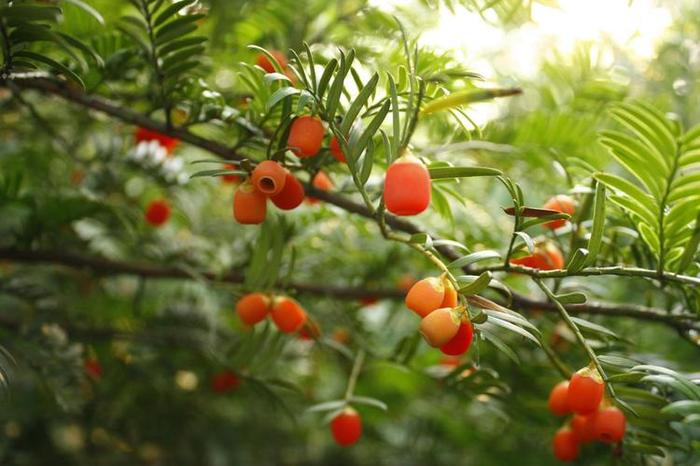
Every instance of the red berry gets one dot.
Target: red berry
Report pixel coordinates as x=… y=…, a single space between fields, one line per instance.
x=460 y=343
x=249 y=205
x=609 y=425
x=336 y=151
x=169 y=143
x=253 y=308
x=93 y=368
x=346 y=427
x=265 y=63
x=560 y=203
x=585 y=392
x=288 y=315
x=565 y=445
x=291 y=195
x=158 y=212
x=321 y=182
x=230 y=179
x=407 y=186
x=224 y=381
x=558 y=404
x=582 y=427
x=269 y=177
x=546 y=257
x=306 y=136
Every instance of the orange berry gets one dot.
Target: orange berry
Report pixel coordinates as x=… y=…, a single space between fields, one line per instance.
x=554 y=257
x=269 y=177
x=460 y=343
x=306 y=136
x=565 y=445
x=224 y=381
x=407 y=186
x=439 y=327
x=560 y=203
x=585 y=392
x=425 y=296
x=93 y=368
x=291 y=195
x=451 y=298
x=288 y=315
x=557 y=402
x=609 y=425
x=230 y=179
x=322 y=182
x=253 y=308
x=346 y=427
x=582 y=427
x=158 y=212
x=336 y=151
x=265 y=63
x=546 y=257
x=249 y=205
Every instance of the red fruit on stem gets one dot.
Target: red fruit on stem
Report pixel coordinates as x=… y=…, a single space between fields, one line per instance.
x=582 y=427
x=264 y=62
x=346 y=427
x=425 y=296
x=407 y=186
x=439 y=327
x=269 y=177
x=336 y=151
x=460 y=343
x=224 y=381
x=560 y=203
x=585 y=391
x=93 y=368
x=157 y=212
x=249 y=205
x=609 y=425
x=288 y=315
x=306 y=136
x=321 y=182
x=557 y=403
x=253 y=308
x=565 y=445
x=291 y=195
x=546 y=257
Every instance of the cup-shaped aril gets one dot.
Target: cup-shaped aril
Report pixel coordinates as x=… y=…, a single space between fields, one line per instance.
x=425 y=296
x=407 y=186
x=460 y=343
x=269 y=177
x=346 y=427
x=557 y=402
x=249 y=205
x=565 y=445
x=609 y=425
x=306 y=136
x=288 y=315
x=560 y=203
x=253 y=308
x=585 y=391
x=291 y=196
x=439 y=327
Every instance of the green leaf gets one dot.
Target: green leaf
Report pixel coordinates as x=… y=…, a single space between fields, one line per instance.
x=280 y=94
x=461 y=172
x=529 y=242
x=327 y=406
x=87 y=9
x=473 y=258
x=170 y=11
x=477 y=285
x=593 y=328
x=466 y=97
x=578 y=260
x=682 y=407
x=326 y=77
x=60 y=68
x=333 y=99
x=369 y=132
x=30 y=12
x=364 y=400
x=596 y=238
x=571 y=298
x=357 y=104
x=691 y=247
x=395 y=119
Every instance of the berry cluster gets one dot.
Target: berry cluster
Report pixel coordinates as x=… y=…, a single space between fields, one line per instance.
x=286 y=313
x=593 y=417
x=444 y=323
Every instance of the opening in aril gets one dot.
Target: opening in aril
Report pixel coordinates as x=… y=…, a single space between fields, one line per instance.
x=267 y=184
